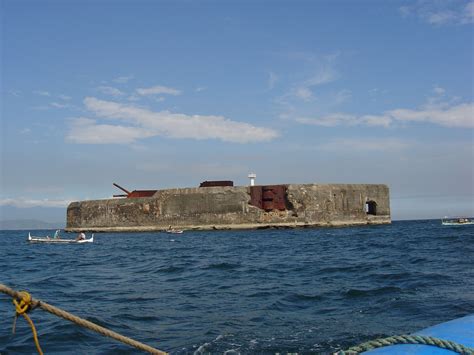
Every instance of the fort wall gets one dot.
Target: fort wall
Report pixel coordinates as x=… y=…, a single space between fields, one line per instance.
x=236 y=207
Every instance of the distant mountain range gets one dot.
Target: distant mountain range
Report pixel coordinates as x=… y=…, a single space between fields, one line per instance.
x=13 y=224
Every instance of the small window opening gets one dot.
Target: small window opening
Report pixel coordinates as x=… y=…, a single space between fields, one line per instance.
x=371 y=208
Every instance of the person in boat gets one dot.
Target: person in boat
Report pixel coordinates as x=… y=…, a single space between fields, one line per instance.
x=81 y=236
x=56 y=234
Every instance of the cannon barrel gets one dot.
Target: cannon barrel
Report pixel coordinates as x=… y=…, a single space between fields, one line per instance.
x=121 y=188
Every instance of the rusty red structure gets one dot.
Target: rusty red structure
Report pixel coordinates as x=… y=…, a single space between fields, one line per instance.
x=269 y=198
x=134 y=193
x=216 y=183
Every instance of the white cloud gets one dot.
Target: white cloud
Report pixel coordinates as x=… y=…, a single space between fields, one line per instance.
x=58 y=105
x=469 y=11
x=64 y=97
x=442 y=17
x=143 y=123
x=108 y=90
x=158 y=90
x=200 y=88
x=303 y=93
x=42 y=93
x=87 y=131
x=26 y=203
x=332 y=120
x=441 y=12
x=123 y=79
x=438 y=90
x=322 y=74
x=342 y=96
x=325 y=75
x=373 y=120
x=405 y=11
x=461 y=115
x=342 y=119
x=456 y=116
x=133 y=98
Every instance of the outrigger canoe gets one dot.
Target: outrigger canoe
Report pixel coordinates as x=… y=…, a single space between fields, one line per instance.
x=458 y=221
x=33 y=239
x=174 y=231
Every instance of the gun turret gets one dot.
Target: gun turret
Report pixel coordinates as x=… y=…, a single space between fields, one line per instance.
x=134 y=193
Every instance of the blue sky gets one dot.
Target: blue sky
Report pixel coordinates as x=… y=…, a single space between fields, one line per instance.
x=162 y=94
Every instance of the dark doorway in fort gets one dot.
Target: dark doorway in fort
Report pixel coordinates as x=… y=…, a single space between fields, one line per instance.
x=371 y=208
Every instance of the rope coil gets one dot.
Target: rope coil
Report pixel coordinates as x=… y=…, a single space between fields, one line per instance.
x=408 y=339
x=24 y=303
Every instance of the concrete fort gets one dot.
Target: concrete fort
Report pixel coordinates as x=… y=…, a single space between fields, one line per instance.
x=235 y=207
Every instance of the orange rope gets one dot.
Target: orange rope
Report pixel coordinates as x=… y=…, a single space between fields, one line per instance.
x=21 y=308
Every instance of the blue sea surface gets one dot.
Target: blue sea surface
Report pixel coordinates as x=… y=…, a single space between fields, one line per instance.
x=307 y=291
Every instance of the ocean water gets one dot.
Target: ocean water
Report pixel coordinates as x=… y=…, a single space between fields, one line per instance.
x=307 y=291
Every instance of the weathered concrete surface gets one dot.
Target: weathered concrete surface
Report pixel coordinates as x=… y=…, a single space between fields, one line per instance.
x=229 y=208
